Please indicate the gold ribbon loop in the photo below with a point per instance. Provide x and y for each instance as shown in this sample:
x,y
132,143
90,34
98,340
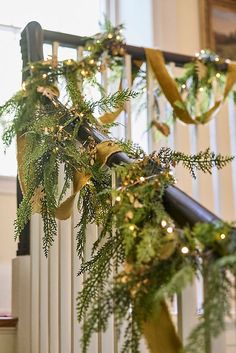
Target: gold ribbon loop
x,y
103,151
170,90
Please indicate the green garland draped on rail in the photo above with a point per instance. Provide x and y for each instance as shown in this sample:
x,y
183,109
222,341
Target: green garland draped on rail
x,y
141,258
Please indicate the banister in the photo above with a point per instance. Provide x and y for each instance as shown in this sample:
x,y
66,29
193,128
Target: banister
x,y
181,207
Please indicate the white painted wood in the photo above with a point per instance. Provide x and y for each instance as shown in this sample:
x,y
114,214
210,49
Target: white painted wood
x,y
215,174
232,129
76,285
7,185
150,106
193,131
21,300
65,285
92,234
187,311
43,302
7,339
128,84
35,285
53,297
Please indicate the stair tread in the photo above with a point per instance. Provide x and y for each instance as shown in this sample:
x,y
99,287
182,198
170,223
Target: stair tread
x,y
8,321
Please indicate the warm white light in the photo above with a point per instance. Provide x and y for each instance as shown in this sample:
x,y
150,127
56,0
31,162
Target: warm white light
x,y
109,35
202,51
185,250
222,236
132,227
183,86
217,59
44,75
141,178
163,223
218,75
197,55
169,230
118,198
201,89
91,61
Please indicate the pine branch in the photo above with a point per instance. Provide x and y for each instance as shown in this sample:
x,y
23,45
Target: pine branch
x,y
114,101
203,161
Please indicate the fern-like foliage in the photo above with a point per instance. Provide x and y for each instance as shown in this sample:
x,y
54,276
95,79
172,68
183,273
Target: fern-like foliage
x,y
203,161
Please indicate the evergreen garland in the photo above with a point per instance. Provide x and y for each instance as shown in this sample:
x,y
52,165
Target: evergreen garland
x,y
141,257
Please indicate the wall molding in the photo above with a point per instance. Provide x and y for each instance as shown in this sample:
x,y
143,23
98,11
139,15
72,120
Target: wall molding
x,y
7,185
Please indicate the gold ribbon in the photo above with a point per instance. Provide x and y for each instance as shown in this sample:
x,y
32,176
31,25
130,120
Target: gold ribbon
x,y
170,90
108,118
103,151
160,333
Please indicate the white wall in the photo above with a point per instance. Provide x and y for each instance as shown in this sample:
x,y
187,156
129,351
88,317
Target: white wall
x,y
176,25
7,242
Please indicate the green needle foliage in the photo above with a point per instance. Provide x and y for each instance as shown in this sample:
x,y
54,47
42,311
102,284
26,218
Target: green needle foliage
x,y
141,258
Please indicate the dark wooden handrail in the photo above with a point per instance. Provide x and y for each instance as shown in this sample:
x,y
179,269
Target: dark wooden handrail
x,y
8,321
181,207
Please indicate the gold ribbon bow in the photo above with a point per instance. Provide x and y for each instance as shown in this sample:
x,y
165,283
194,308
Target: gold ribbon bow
x,y
103,151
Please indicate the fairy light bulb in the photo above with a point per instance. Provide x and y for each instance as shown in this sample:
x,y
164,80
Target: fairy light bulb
x,y
32,67
202,51
169,230
185,250
183,86
131,227
217,59
118,198
197,55
91,61
163,223
110,35
201,89
142,179
218,75
222,236
118,37
44,75
83,72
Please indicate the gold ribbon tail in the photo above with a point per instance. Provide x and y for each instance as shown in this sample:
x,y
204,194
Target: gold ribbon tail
x,y
160,333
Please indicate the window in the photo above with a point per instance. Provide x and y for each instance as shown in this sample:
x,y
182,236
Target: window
x,y
79,17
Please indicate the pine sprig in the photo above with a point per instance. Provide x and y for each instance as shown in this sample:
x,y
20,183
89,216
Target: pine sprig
x,y
203,161
115,100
